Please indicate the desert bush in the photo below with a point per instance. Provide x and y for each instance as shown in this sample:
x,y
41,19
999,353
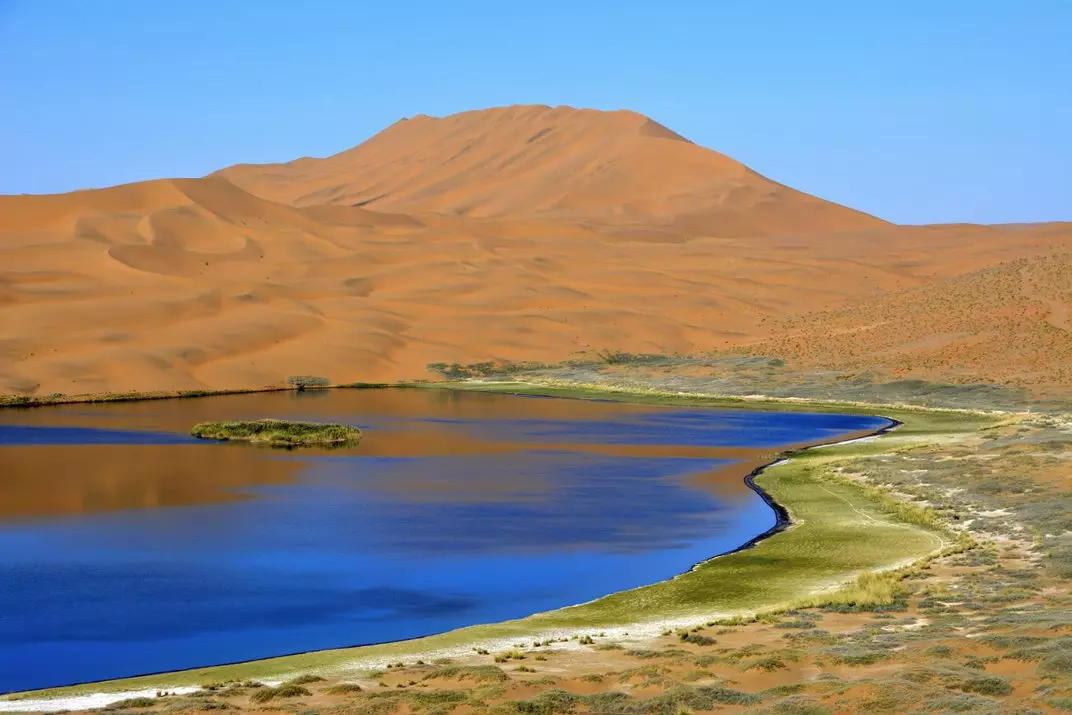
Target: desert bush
x,y
798,706
478,673
435,698
510,655
303,381
857,654
344,689
132,703
767,664
549,702
989,685
697,639
286,690
1060,662
304,680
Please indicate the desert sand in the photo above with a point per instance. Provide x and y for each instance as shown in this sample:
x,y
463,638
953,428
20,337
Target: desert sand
x,y
515,234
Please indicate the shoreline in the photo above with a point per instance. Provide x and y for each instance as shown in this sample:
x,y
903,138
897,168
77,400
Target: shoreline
x,y
783,520
643,628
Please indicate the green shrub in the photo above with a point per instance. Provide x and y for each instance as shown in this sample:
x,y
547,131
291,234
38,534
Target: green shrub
x,y
132,703
697,639
989,685
344,689
478,673
768,664
286,690
1060,662
305,680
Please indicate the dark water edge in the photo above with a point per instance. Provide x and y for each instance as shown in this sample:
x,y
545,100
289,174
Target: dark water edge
x,y
611,458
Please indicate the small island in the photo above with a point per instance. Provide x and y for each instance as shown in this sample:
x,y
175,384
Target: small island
x,y
279,433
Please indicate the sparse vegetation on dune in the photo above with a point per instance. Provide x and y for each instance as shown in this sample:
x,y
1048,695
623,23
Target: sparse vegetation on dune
x,y
278,433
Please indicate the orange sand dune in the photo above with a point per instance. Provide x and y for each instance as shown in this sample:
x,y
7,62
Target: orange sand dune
x,y
617,168
1010,323
606,231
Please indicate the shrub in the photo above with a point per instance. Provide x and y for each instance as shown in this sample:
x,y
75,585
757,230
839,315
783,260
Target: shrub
x,y
132,703
286,690
343,689
768,664
479,673
305,680
697,639
1060,662
303,381
989,685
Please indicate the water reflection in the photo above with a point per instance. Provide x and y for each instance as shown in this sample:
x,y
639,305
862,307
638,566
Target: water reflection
x,y
64,480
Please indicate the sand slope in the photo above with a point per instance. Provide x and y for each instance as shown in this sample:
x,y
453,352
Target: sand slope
x,y
616,234
617,168
1007,323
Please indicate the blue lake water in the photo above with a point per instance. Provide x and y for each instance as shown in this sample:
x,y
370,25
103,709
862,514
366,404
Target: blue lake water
x,y
127,547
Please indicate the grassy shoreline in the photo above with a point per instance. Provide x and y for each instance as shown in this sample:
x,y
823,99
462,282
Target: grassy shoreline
x,y
90,398
132,396
843,532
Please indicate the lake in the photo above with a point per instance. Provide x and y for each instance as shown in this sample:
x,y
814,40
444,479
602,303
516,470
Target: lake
x,y
127,547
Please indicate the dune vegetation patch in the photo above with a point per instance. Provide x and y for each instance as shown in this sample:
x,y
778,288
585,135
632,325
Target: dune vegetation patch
x,y
278,433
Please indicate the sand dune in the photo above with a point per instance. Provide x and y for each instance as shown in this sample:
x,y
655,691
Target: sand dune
x,y
1005,323
524,233
617,168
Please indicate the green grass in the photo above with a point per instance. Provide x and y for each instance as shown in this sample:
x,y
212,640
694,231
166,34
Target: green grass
x,y
286,690
278,432
843,533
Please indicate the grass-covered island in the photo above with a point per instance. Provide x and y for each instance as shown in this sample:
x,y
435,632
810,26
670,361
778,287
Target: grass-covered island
x,y
279,433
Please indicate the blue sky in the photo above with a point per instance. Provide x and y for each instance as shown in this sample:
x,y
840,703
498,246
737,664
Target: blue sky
x,y
919,112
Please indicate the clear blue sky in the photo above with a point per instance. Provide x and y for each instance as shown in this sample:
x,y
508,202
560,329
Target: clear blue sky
x,y
919,112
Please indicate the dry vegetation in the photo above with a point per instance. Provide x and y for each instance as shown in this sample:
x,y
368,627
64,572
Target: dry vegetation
x,y
1005,324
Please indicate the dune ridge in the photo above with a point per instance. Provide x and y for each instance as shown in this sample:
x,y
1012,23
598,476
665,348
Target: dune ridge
x,y
521,233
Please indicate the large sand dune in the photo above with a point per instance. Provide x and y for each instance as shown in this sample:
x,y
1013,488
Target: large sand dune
x,y
617,168
525,233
